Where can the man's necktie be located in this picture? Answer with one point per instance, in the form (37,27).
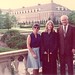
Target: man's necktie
(64,31)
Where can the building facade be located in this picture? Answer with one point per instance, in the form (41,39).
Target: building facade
(39,13)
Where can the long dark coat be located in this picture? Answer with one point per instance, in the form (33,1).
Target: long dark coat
(49,48)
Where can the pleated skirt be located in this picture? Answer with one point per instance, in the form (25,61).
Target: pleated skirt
(31,61)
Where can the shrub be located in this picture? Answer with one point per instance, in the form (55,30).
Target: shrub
(9,34)
(17,42)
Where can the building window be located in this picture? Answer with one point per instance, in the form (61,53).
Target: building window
(58,8)
(15,12)
(31,10)
(62,8)
(66,9)
(39,9)
(34,10)
(22,12)
(28,11)
(18,12)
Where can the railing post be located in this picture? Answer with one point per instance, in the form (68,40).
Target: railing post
(5,66)
(16,63)
(25,63)
(8,65)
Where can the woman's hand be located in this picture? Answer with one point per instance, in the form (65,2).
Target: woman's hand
(35,56)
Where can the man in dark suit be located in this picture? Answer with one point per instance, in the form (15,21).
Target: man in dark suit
(66,45)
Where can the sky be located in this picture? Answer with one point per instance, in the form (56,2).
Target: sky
(13,4)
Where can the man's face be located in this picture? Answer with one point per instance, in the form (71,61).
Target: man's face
(64,21)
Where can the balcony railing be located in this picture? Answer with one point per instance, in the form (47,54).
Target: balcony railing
(7,62)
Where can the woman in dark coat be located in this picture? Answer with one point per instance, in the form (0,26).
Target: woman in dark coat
(49,50)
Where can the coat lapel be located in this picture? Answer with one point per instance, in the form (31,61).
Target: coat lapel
(61,31)
(68,30)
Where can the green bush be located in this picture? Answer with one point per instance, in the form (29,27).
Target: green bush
(14,40)
(9,34)
(17,42)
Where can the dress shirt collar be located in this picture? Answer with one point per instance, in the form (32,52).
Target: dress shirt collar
(66,27)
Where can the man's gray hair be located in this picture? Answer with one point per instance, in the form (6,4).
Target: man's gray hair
(64,16)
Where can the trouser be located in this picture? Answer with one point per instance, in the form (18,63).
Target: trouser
(66,60)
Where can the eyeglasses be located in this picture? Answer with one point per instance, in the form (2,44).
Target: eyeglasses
(36,27)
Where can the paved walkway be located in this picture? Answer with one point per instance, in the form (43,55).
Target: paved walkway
(22,72)
(22,69)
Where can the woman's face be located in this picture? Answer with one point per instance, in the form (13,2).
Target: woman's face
(50,26)
(36,29)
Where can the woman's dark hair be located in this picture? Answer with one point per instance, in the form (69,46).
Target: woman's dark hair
(36,25)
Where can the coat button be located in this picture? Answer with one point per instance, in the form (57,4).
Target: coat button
(50,52)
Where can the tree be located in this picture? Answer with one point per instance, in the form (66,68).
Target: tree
(72,17)
(9,21)
(6,20)
(13,20)
(1,20)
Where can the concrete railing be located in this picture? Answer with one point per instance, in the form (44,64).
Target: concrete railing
(6,60)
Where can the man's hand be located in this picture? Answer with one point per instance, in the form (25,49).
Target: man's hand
(73,50)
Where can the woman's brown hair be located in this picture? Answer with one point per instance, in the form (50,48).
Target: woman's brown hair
(46,26)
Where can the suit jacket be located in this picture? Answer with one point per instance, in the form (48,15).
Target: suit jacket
(66,44)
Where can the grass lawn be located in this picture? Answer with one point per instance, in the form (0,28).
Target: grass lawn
(22,30)
(4,49)
(3,30)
